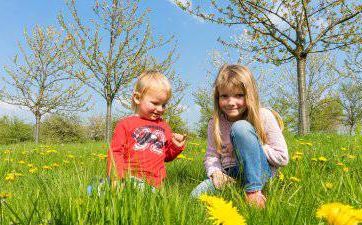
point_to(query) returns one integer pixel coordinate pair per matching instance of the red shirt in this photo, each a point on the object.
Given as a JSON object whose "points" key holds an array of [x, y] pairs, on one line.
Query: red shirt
{"points": [[141, 147]]}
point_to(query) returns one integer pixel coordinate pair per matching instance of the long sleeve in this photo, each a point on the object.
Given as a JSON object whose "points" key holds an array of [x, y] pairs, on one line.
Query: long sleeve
{"points": [[172, 151], [212, 161], [276, 148], [117, 151]]}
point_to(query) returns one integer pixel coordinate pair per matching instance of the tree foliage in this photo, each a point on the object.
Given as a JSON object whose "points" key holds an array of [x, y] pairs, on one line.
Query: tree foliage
{"points": [[41, 81], [283, 30], [113, 49]]}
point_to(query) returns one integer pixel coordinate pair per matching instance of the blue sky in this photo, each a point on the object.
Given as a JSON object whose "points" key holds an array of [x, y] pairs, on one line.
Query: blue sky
{"points": [[195, 41]]}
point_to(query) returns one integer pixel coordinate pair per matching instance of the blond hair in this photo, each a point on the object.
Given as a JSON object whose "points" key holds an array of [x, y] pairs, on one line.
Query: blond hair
{"points": [[236, 76], [150, 79]]}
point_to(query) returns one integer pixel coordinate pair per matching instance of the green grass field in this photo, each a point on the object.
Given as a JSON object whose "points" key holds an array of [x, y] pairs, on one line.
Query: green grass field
{"points": [[48, 185]]}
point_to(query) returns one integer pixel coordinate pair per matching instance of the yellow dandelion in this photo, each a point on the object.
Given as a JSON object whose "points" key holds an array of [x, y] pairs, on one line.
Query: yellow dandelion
{"points": [[222, 212], [203, 150], [345, 169], [55, 165], [314, 159], [47, 167], [351, 156], [193, 143], [102, 156], [181, 156], [339, 214], [281, 176], [4, 195], [296, 157], [339, 164], [21, 162], [12, 176], [51, 151], [65, 161], [298, 153], [7, 152], [294, 179], [322, 159], [70, 156], [344, 149], [328, 185], [33, 170]]}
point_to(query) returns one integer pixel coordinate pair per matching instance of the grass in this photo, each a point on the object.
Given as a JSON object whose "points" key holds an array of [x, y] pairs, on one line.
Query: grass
{"points": [[323, 169]]}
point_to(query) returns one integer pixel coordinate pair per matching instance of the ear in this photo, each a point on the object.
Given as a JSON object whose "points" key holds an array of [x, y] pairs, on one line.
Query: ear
{"points": [[137, 97]]}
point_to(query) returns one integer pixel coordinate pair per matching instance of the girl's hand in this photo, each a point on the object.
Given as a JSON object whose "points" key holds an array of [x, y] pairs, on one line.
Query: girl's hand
{"points": [[179, 139], [219, 179]]}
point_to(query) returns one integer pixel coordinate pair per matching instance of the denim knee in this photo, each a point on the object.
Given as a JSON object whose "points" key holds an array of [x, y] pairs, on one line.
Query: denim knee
{"points": [[242, 128]]}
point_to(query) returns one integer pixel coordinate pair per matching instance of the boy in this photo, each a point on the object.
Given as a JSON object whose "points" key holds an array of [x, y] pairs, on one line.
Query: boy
{"points": [[144, 141]]}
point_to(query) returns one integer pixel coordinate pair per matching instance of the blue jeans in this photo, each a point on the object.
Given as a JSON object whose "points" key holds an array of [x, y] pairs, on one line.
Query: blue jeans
{"points": [[253, 169]]}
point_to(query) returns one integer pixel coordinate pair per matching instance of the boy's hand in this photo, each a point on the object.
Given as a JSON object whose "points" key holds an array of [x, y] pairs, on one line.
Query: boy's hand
{"points": [[179, 139], [219, 179]]}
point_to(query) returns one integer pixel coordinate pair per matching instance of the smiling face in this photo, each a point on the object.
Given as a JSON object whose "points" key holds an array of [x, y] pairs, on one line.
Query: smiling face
{"points": [[152, 104], [232, 102]]}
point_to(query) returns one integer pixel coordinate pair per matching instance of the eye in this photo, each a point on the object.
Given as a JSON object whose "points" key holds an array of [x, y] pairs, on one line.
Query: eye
{"points": [[164, 105], [223, 96], [240, 95]]}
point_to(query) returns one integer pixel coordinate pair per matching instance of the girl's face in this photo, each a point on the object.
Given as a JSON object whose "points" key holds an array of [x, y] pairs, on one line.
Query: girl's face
{"points": [[152, 105], [232, 102]]}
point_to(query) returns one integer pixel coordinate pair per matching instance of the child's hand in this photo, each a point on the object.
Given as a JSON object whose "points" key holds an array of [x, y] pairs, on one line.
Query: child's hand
{"points": [[179, 139], [219, 179]]}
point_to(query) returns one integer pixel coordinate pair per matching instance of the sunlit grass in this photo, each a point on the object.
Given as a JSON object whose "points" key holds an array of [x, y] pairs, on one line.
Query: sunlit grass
{"points": [[48, 185]]}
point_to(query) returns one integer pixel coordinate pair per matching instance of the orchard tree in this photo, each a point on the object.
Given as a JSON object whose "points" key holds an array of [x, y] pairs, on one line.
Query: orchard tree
{"points": [[112, 48], [41, 80], [284, 30], [321, 81]]}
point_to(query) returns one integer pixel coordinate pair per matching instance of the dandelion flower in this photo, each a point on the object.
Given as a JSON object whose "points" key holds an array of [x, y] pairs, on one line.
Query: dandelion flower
{"points": [[340, 164], [47, 167], [296, 157], [314, 159], [281, 176], [181, 156], [328, 185], [344, 149], [222, 212], [4, 195], [21, 162], [351, 156], [294, 179], [322, 159], [339, 214], [345, 169], [33, 170]]}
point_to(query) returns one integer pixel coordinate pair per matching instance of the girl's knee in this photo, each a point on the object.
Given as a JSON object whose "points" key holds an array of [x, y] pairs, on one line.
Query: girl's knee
{"points": [[241, 128]]}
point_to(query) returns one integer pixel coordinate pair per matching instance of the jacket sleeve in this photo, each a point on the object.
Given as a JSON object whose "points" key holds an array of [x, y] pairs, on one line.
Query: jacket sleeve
{"points": [[117, 151], [172, 150], [275, 147], [212, 157]]}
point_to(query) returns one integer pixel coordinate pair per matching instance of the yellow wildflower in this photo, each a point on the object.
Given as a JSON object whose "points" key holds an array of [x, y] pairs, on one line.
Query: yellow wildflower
{"points": [[47, 167], [33, 170], [281, 176], [55, 165], [328, 185], [4, 195], [296, 157], [344, 149], [102, 156], [222, 212], [314, 159], [193, 143], [51, 151], [65, 161], [339, 214], [340, 164], [294, 179], [203, 150], [322, 159], [345, 169], [351, 156], [21, 162], [299, 153], [12, 176], [70, 156], [181, 156], [7, 152]]}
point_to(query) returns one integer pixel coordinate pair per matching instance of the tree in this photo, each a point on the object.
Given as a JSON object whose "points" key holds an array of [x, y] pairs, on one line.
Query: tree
{"points": [[351, 101], [285, 30], [114, 50], [321, 81], [353, 64], [41, 82]]}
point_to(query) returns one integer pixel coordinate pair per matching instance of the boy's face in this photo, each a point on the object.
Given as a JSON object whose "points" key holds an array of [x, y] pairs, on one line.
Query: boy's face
{"points": [[152, 104]]}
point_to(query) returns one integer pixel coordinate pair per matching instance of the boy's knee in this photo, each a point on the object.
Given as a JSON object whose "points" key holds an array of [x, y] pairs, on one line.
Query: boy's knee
{"points": [[241, 127]]}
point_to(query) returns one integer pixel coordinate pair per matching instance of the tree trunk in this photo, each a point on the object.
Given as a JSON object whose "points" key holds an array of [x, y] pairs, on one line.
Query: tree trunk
{"points": [[109, 121], [37, 128], [303, 123]]}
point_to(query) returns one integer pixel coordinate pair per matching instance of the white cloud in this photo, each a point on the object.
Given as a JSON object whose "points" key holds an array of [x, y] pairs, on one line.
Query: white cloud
{"points": [[8, 107]]}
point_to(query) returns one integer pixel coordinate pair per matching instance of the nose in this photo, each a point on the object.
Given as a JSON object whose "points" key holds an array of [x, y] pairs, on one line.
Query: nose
{"points": [[159, 108]]}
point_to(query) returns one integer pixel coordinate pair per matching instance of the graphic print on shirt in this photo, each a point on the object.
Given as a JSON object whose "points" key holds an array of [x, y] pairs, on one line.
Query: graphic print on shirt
{"points": [[149, 137]]}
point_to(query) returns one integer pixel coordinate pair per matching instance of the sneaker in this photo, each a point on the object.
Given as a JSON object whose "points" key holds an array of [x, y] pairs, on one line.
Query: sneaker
{"points": [[256, 198]]}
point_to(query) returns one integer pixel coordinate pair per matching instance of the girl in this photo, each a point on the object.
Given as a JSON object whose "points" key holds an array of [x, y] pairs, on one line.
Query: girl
{"points": [[244, 140]]}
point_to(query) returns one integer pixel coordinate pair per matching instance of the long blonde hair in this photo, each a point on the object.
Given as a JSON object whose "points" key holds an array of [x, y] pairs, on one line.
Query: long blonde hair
{"points": [[236, 76]]}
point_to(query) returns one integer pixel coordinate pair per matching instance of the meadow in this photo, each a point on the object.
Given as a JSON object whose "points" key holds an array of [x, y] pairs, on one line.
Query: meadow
{"points": [[47, 184]]}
